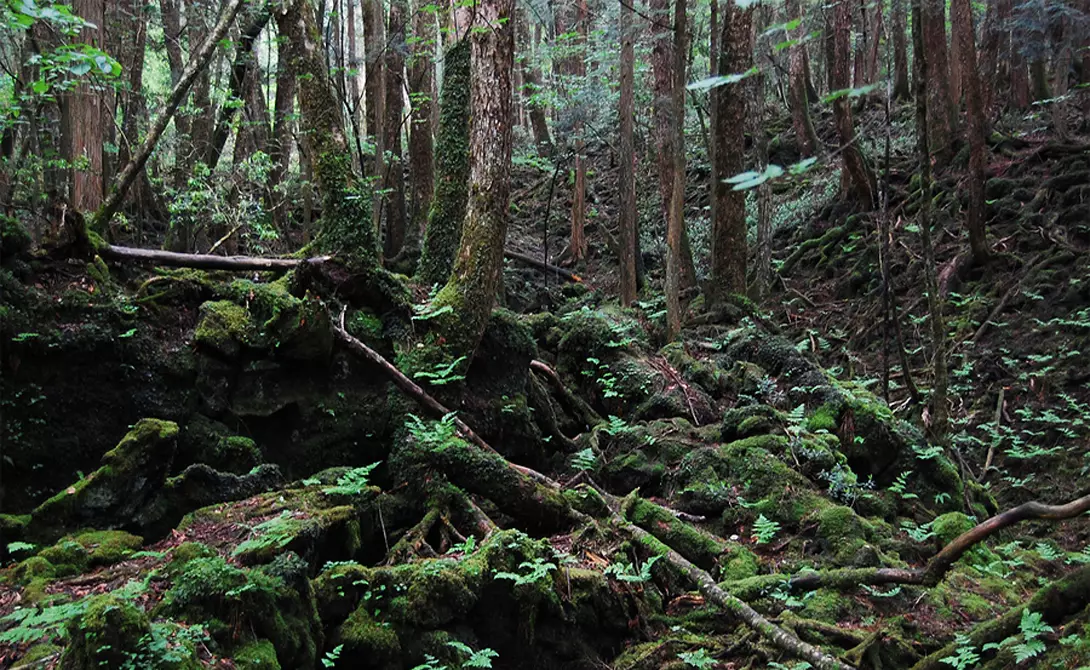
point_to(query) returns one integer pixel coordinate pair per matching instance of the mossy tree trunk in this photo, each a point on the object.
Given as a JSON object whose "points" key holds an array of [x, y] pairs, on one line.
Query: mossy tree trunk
{"points": [[970, 81], [448, 206], [675, 222], [627, 156], [421, 76], [531, 87], [345, 229], [478, 268], [728, 249]]}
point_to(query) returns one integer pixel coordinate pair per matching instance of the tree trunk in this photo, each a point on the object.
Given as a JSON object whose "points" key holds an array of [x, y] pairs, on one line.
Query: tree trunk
{"points": [[478, 268], [282, 139], [578, 243], [988, 74], [200, 125], [626, 174], [374, 92], [809, 145], [901, 87], [962, 10], [344, 228], [662, 68], [859, 69], [938, 326], [857, 178], [728, 245], [675, 224], [132, 22], [83, 119], [943, 119], [956, 60], [394, 176], [531, 92], [874, 44], [448, 207], [421, 73]]}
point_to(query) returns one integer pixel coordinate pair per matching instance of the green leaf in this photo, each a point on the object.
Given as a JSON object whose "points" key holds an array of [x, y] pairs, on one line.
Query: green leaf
{"points": [[721, 80]]}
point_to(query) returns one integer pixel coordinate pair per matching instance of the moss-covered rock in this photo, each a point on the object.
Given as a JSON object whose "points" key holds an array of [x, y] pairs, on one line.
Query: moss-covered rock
{"points": [[118, 493], [107, 633], [256, 655]]}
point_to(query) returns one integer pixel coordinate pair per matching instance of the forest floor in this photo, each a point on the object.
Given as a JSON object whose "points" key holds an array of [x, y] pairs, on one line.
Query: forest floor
{"points": [[274, 502]]}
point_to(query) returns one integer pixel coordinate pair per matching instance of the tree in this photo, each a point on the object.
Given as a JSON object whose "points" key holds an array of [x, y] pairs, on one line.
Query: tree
{"points": [[532, 90], [421, 76], [975, 127], [901, 88], [394, 112], [934, 302], [675, 222], [374, 94], [809, 144], [478, 268], [577, 68], [728, 246], [83, 117], [626, 174], [943, 112], [448, 206], [857, 178]]}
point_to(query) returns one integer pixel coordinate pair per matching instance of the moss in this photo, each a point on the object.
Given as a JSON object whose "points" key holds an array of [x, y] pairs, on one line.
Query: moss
{"points": [[363, 637], [824, 418], [106, 547], [68, 556], [749, 420], [448, 206], [108, 628], [223, 327], [256, 655], [741, 564], [825, 605], [14, 238], [949, 526], [187, 551], [37, 656], [35, 567], [699, 547]]}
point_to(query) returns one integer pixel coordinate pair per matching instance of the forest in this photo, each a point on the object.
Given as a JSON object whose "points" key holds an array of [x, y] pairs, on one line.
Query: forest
{"points": [[549, 334]]}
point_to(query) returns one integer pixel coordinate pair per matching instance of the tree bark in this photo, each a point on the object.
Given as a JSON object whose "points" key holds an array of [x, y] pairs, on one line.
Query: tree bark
{"points": [[943, 113], [857, 179], [83, 119], [662, 70], [280, 148], [478, 267], [531, 92], [626, 174], [934, 302], [809, 145], [200, 126], [578, 243], [421, 74], [675, 224], [901, 87], [975, 128], [394, 175], [374, 92], [448, 207], [728, 246]]}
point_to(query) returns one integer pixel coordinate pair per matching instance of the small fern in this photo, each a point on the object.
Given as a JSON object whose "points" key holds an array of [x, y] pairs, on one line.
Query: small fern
{"points": [[764, 530]]}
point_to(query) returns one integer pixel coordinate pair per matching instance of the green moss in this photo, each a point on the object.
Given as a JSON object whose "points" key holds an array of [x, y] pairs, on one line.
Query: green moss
{"points": [[949, 526], [256, 655], [826, 605], [223, 327], [35, 567], [824, 418], [106, 547], [741, 564], [37, 656], [448, 206], [109, 628], [69, 557], [187, 551], [363, 637], [699, 547]]}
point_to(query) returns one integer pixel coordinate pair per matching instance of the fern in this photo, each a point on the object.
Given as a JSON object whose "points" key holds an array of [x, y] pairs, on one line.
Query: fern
{"points": [[352, 482], [697, 659], [536, 570], [481, 658], [764, 530], [276, 533], [626, 573], [585, 460]]}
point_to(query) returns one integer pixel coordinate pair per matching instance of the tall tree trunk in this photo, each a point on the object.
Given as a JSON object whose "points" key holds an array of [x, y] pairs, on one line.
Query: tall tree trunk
{"points": [[531, 91], [83, 119], [956, 61], [962, 10], [675, 224], [662, 68], [809, 145], [989, 76], [394, 176], [728, 245], [374, 90], [901, 87], [421, 73], [874, 44], [478, 268], [578, 243], [448, 206], [344, 209], [132, 21], [859, 69], [282, 137], [626, 174], [857, 178], [943, 119], [938, 326], [201, 122], [353, 63]]}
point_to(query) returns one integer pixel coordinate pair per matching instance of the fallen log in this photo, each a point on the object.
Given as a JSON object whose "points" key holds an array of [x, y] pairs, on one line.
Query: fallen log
{"points": [[204, 261], [542, 265]]}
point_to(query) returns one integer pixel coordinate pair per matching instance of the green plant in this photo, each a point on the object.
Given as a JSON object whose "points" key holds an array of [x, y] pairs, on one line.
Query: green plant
{"points": [[19, 547], [441, 374], [899, 486], [697, 659], [435, 435], [274, 533], [627, 573], [585, 460], [466, 547], [329, 660], [1027, 644], [352, 482], [965, 656], [616, 426], [535, 571], [764, 530], [920, 533], [476, 659]]}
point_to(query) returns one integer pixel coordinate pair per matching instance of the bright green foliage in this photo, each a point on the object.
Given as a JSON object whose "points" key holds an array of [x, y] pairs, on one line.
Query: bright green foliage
{"points": [[764, 530], [627, 573], [352, 482], [697, 659], [532, 572]]}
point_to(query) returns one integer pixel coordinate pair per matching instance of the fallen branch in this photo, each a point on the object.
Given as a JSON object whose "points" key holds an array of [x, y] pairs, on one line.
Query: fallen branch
{"points": [[204, 261], [434, 407], [542, 265], [779, 638]]}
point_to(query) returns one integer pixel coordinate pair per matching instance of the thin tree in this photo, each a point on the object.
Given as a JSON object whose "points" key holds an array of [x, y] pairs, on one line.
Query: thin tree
{"points": [[675, 224], [970, 79], [809, 145], [902, 89], [931, 283], [577, 247], [728, 246], [626, 174], [532, 89], [478, 268], [941, 108], [421, 76], [374, 94], [82, 118], [394, 118]]}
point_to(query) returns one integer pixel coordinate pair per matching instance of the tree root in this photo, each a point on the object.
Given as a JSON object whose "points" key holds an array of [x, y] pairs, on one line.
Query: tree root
{"points": [[777, 636], [413, 541], [542, 265], [572, 402], [544, 415], [830, 236]]}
